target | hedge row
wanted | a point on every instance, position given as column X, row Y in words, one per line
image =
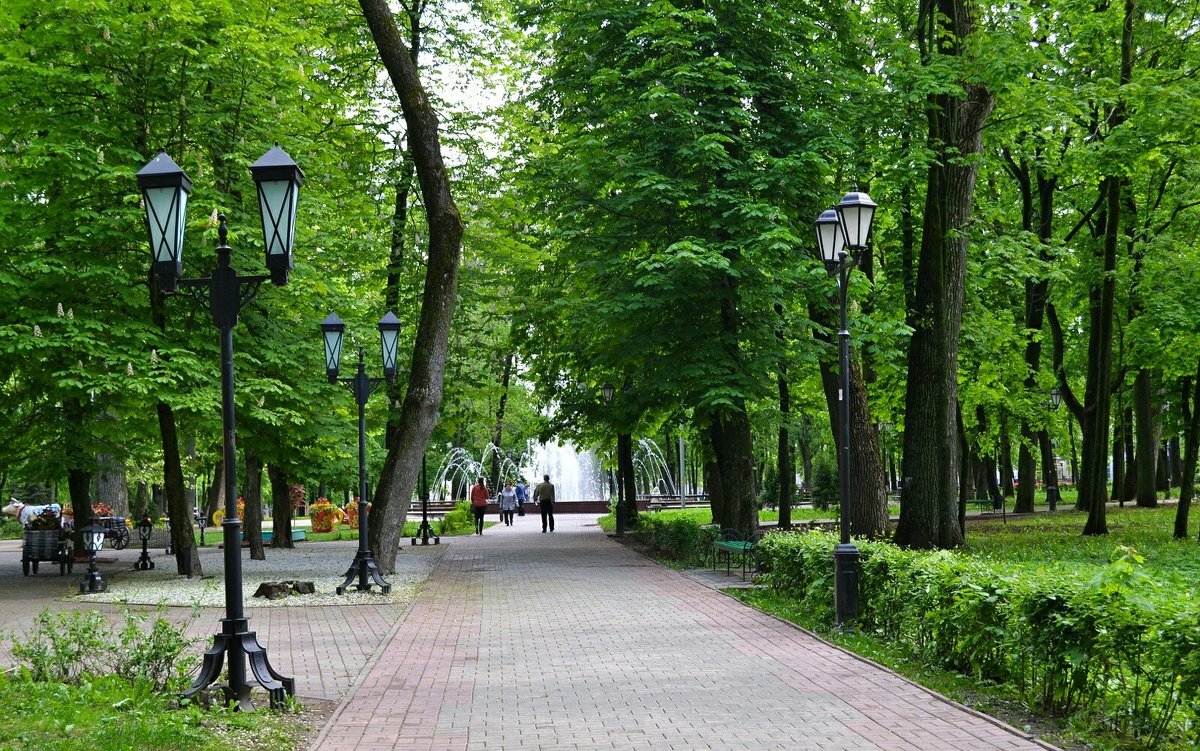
column 676, row 537
column 1115, row 645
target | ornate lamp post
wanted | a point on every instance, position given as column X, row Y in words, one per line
column 841, row 231
column 1052, row 491
column 425, row 531
column 607, row 392
column 332, row 329
column 93, row 540
column 144, row 528
column 165, row 189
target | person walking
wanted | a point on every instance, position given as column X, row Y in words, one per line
column 479, row 501
column 521, row 497
column 508, row 503
column 543, row 496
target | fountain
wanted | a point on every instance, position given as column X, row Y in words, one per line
column 577, row 475
column 650, row 466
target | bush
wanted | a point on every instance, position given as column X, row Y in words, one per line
column 677, row 537
column 65, row 647
column 1116, row 645
column 458, row 521
column 825, row 482
column 10, row 528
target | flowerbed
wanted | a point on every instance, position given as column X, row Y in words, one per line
column 1116, row 646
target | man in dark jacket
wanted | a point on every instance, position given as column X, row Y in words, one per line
column 543, row 496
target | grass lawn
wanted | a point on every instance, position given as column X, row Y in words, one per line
column 1055, row 543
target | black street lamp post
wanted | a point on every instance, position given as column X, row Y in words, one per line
column 425, row 531
column 1052, row 493
column 93, row 539
column 607, row 392
column 165, row 189
column 389, row 329
column 846, row 227
column 144, row 527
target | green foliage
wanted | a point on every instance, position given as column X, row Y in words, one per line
column 825, row 482
column 681, row 538
column 10, row 528
column 457, row 522
column 1108, row 646
column 74, row 647
column 106, row 713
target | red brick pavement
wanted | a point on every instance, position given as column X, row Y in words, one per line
column 568, row 640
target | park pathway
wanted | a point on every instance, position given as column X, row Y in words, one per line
column 568, row 640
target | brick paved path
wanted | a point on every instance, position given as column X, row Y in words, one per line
column 568, row 640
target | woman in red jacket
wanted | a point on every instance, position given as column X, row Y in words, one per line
column 479, row 501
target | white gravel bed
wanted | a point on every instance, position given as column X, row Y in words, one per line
column 322, row 563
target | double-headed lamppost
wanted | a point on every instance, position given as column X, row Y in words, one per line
column 389, row 329
column 165, row 189
column 144, row 528
column 93, row 539
column 841, row 231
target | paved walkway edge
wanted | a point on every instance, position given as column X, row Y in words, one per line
column 375, row 657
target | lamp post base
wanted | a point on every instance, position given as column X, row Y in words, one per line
column 236, row 639
column 143, row 563
column 364, row 567
column 92, row 583
column 424, row 532
column 845, row 591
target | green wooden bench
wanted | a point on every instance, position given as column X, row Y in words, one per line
column 728, row 544
column 297, row 535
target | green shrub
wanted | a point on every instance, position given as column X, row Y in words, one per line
column 459, row 521
column 66, row 647
column 680, row 537
column 825, row 482
column 1115, row 646
column 10, row 528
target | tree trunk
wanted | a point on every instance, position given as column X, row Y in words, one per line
column 216, row 492
column 253, row 497
column 79, row 476
column 281, row 507
column 407, row 446
column 733, row 456
column 1145, row 443
column 628, row 508
column 1129, row 478
column 1191, row 448
column 112, row 486
column 929, row 513
column 498, row 431
column 1006, row 473
column 1095, row 447
column 1118, row 457
column 183, row 536
column 787, row 470
column 1093, row 485
column 806, row 450
column 868, row 491
column 1026, row 472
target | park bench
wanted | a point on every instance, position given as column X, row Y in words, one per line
column 729, row 543
column 297, row 535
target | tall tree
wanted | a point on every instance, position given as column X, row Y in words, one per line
column 956, row 117
column 398, row 478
